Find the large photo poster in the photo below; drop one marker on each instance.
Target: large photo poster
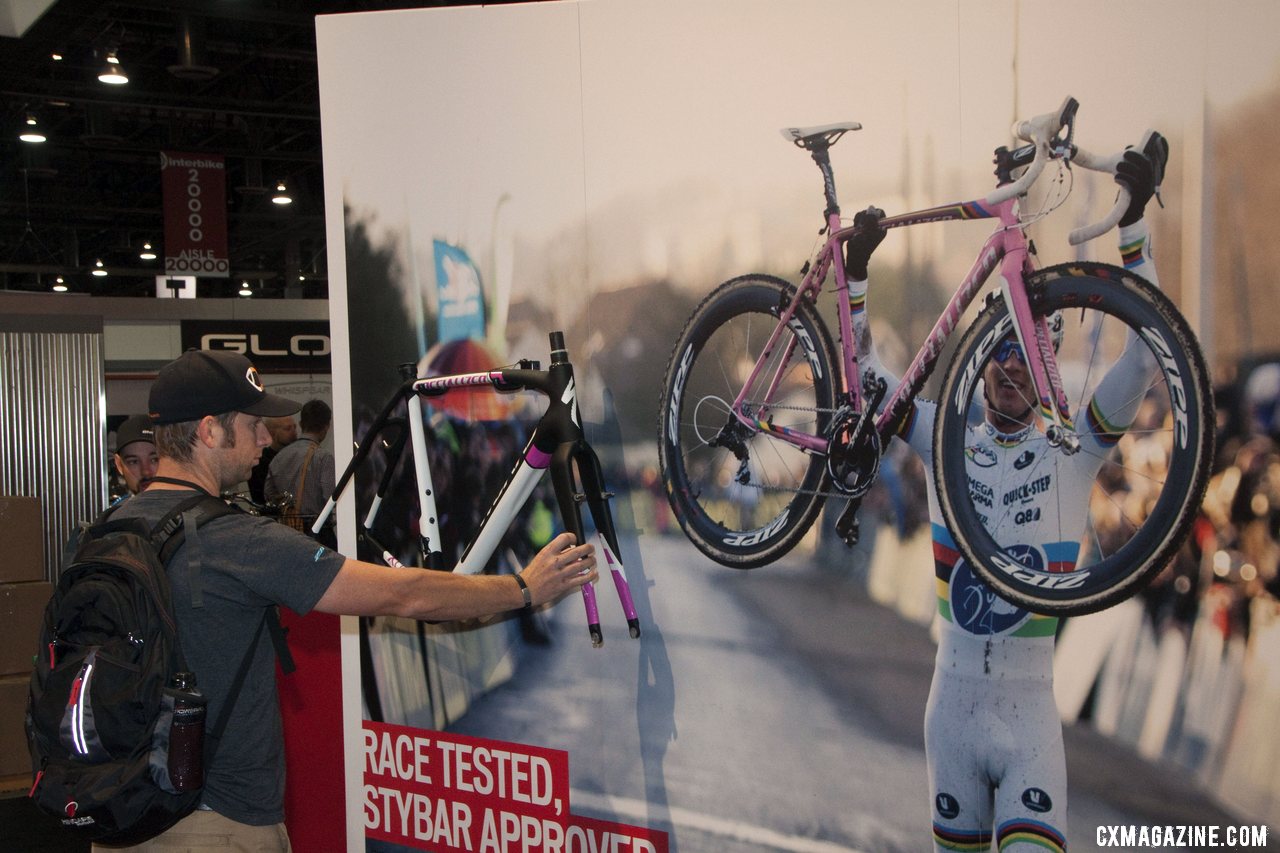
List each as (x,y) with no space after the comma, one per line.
(495,174)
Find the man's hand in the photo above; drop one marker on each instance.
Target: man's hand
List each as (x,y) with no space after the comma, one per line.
(1141,174)
(858,249)
(560,568)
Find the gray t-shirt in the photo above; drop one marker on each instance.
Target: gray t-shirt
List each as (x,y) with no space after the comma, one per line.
(247,564)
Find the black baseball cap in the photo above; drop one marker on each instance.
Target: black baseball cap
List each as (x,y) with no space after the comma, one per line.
(135,428)
(212,382)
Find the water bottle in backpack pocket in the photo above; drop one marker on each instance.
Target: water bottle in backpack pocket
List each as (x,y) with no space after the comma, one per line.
(177,757)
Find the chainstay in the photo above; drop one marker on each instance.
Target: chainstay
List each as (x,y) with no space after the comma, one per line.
(818,492)
(815,492)
(779,489)
(782,408)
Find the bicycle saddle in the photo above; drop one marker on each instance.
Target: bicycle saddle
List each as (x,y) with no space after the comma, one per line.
(823,134)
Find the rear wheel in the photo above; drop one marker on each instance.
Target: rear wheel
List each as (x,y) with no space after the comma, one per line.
(1072,521)
(741,494)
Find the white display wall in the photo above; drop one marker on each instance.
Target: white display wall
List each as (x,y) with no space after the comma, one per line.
(596,161)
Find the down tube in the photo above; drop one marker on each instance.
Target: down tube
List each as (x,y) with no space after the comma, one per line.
(518,488)
(922,365)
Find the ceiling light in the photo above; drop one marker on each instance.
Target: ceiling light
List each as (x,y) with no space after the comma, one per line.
(31,130)
(147,253)
(282,195)
(113,71)
(245,290)
(98,269)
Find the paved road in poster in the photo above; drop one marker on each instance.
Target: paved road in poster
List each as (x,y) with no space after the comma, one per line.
(772,710)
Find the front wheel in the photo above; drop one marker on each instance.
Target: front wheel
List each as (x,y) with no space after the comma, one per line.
(1070,519)
(742,493)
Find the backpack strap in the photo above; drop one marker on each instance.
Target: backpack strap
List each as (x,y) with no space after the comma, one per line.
(278,639)
(172,530)
(179,526)
(194,557)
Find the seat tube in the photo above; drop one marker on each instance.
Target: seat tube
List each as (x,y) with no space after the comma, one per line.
(1048,389)
(850,383)
(429,523)
(849,361)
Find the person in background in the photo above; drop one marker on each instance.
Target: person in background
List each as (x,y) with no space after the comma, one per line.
(993,737)
(208,408)
(305,469)
(135,457)
(284,431)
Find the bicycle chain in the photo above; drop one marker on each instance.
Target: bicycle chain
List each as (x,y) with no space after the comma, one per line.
(783,408)
(794,491)
(816,492)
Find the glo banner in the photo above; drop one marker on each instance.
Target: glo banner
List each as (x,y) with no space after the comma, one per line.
(195,214)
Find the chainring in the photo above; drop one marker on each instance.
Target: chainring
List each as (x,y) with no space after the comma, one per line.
(853,456)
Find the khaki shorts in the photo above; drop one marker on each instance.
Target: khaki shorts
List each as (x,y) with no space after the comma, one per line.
(206,830)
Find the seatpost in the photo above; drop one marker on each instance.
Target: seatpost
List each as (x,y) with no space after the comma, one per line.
(821,156)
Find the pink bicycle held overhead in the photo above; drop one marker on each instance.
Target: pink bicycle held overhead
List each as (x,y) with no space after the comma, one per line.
(763,420)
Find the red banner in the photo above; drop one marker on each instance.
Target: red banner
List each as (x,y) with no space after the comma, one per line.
(450,793)
(195,214)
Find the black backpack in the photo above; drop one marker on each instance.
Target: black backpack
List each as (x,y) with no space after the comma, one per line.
(98,714)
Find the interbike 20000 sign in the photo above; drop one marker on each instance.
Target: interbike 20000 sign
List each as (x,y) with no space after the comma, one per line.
(195,215)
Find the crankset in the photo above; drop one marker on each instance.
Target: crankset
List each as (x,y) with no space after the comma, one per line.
(853,450)
(853,456)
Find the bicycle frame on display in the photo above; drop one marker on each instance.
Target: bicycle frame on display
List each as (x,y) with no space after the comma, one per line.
(557,445)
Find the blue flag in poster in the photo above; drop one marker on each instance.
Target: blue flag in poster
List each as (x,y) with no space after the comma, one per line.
(461,300)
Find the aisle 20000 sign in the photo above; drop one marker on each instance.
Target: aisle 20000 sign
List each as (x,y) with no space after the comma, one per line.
(194,188)
(449,793)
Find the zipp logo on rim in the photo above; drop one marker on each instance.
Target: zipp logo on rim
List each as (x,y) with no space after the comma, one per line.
(806,341)
(1044,580)
(973,367)
(1177,393)
(755,537)
(677,391)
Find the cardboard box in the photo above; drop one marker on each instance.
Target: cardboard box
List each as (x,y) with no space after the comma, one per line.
(23,558)
(21,609)
(15,757)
